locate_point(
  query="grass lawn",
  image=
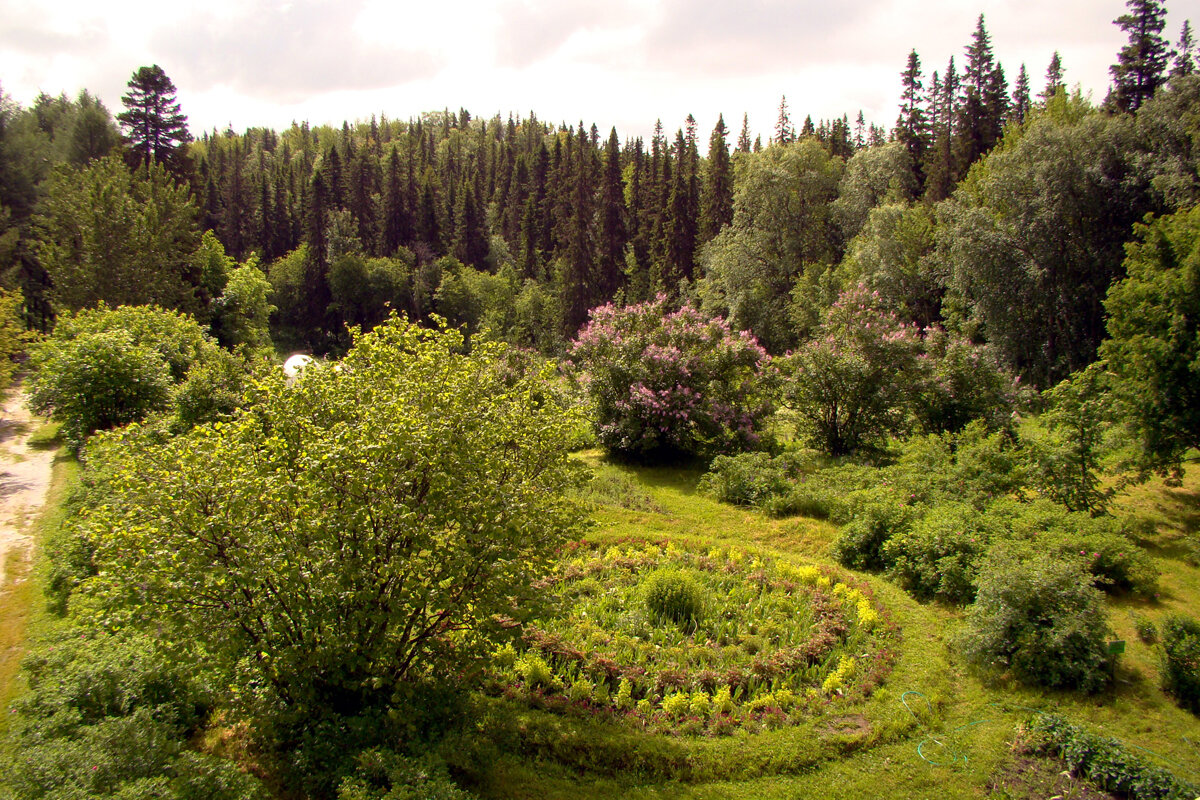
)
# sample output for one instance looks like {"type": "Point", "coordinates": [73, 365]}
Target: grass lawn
{"type": "Point", "coordinates": [954, 742]}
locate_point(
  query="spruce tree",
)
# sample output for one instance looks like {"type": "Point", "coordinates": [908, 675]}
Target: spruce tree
{"type": "Point", "coordinates": [1185, 58]}
{"type": "Point", "coordinates": [1141, 64]}
{"type": "Point", "coordinates": [1021, 102]}
{"type": "Point", "coordinates": [681, 223]}
{"type": "Point", "coordinates": [613, 232]}
{"type": "Point", "coordinates": [155, 128]}
{"type": "Point", "coordinates": [717, 203]}
{"type": "Point", "coordinates": [940, 173]}
{"type": "Point", "coordinates": [912, 126]}
{"type": "Point", "coordinates": [743, 142]}
{"type": "Point", "coordinates": [784, 131]}
{"type": "Point", "coordinates": [1054, 78]}
{"type": "Point", "coordinates": [397, 218]}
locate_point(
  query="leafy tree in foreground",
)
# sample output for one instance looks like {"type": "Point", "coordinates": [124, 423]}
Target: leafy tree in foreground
{"type": "Point", "coordinates": [351, 535]}
{"type": "Point", "coordinates": [672, 383]}
{"type": "Point", "coordinates": [1153, 348]}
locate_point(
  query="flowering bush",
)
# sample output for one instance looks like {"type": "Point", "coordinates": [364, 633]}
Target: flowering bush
{"type": "Point", "coordinates": [672, 383]}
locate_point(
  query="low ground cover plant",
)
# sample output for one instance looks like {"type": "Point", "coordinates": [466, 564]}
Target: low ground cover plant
{"type": "Point", "coordinates": [1105, 761]}
{"type": "Point", "coordinates": [697, 640]}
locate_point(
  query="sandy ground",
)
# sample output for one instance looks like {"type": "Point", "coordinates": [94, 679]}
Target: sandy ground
{"type": "Point", "coordinates": [24, 479]}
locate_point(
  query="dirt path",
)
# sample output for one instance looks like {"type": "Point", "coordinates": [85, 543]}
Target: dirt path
{"type": "Point", "coordinates": [24, 479]}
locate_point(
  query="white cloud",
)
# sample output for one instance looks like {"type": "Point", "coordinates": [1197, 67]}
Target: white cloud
{"type": "Point", "coordinates": [622, 62]}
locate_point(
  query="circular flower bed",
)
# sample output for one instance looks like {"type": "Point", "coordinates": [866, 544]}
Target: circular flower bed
{"type": "Point", "coordinates": [698, 641]}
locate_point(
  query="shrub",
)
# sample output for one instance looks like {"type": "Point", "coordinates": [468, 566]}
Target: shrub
{"type": "Point", "coordinates": [877, 516]}
{"type": "Point", "coordinates": [672, 383]}
{"type": "Point", "coordinates": [963, 382]}
{"type": "Point", "coordinates": [675, 596]}
{"type": "Point", "coordinates": [1180, 661]}
{"type": "Point", "coordinates": [108, 716]}
{"type": "Point", "coordinates": [1040, 619]}
{"type": "Point", "coordinates": [747, 479]}
{"type": "Point", "coordinates": [98, 381]}
{"type": "Point", "coordinates": [415, 463]}
{"type": "Point", "coordinates": [850, 383]}
{"type": "Point", "coordinates": [103, 368]}
{"type": "Point", "coordinates": [1106, 762]}
{"type": "Point", "coordinates": [1099, 543]}
{"type": "Point", "coordinates": [1146, 630]}
{"type": "Point", "coordinates": [939, 554]}
{"type": "Point", "coordinates": [385, 775]}
{"type": "Point", "coordinates": [177, 337]}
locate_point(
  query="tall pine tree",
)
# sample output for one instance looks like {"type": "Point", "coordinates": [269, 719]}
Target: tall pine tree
{"type": "Point", "coordinates": [717, 200]}
{"type": "Point", "coordinates": [1142, 63]}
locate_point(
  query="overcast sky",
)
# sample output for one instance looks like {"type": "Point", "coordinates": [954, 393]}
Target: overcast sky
{"type": "Point", "coordinates": [250, 63]}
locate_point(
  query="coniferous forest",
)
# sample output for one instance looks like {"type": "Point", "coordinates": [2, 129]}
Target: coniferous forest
{"type": "Point", "coordinates": [853, 461]}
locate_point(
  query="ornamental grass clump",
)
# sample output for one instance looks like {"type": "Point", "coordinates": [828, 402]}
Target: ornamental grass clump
{"type": "Point", "coordinates": [675, 596]}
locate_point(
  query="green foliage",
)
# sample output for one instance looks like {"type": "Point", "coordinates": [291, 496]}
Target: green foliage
{"type": "Point", "coordinates": [103, 368]}
{"type": "Point", "coordinates": [1069, 458]}
{"type": "Point", "coordinates": [892, 254]}
{"type": "Point", "coordinates": [365, 290]}
{"type": "Point", "coordinates": [13, 336]}
{"type": "Point", "coordinates": [1106, 762]}
{"type": "Point", "coordinates": [878, 515]}
{"type": "Point", "coordinates": [873, 176]}
{"type": "Point", "coordinates": [179, 340]}
{"type": "Point", "coordinates": [1179, 664]}
{"type": "Point", "coordinates": [370, 524]}
{"type": "Point", "coordinates": [1153, 348]}
{"type": "Point", "coordinates": [213, 389]}
{"type": "Point", "coordinates": [98, 381]}
{"type": "Point", "coordinates": [669, 384]}
{"type": "Point", "coordinates": [1034, 236]}
{"type": "Point", "coordinates": [671, 595]}
{"type": "Point", "coordinates": [851, 383]}
{"type": "Point", "coordinates": [940, 554]}
{"type": "Point", "coordinates": [1145, 628]}
{"type": "Point", "coordinates": [106, 715]}
{"type": "Point", "coordinates": [386, 775]}
{"type": "Point", "coordinates": [1041, 620]}
{"type": "Point", "coordinates": [211, 267]}
{"type": "Point", "coordinates": [782, 227]}
{"type": "Point", "coordinates": [242, 312]}
{"type": "Point", "coordinates": [121, 238]}
{"type": "Point", "coordinates": [748, 479]}
{"type": "Point", "coordinates": [963, 382]}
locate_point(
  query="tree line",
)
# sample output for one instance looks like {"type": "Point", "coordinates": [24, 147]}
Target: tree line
{"type": "Point", "coordinates": [522, 226]}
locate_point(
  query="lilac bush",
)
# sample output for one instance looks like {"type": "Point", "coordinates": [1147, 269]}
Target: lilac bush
{"type": "Point", "coordinates": [672, 383]}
